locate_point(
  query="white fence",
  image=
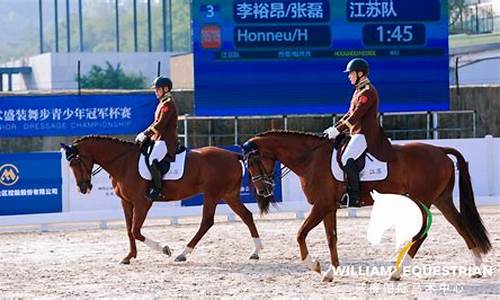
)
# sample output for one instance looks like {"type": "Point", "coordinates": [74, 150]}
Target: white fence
{"type": "Point", "coordinates": [102, 205]}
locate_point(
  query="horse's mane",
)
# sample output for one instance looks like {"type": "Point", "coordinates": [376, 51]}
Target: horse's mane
{"type": "Point", "coordinates": [102, 137]}
{"type": "Point", "coordinates": [289, 132]}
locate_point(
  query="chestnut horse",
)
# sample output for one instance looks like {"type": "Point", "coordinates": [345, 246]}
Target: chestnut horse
{"type": "Point", "coordinates": [215, 172]}
{"type": "Point", "coordinates": [421, 171]}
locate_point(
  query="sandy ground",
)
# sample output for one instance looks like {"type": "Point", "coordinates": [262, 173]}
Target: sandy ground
{"type": "Point", "coordinates": [84, 263]}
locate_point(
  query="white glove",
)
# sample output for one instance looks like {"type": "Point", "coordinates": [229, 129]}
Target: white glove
{"type": "Point", "coordinates": [141, 137]}
{"type": "Point", "coordinates": [332, 132]}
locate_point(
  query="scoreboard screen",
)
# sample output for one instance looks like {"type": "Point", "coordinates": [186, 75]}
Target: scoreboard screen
{"type": "Point", "coordinates": [263, 57]}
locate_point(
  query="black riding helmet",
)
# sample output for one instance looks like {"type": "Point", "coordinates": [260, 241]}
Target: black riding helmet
{"type": "Point", "coordinates": [162, 81]}
{"type": "Point", "coordinates": [358, 65]}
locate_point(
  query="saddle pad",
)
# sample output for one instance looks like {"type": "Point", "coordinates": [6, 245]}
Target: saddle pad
{"type": "Point", "coordinates": [176, 168]}
{"type": "Point", "coordinates": [374, 169]}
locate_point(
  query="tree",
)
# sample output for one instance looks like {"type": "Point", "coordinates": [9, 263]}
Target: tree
{"type": "Point", "coordinates": [111, 78]}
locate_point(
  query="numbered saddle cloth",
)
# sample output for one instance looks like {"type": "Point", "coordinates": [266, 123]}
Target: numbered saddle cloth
{"type": "Point", "coordinates": [373, 170]}
{"type": "Point", "coordinates": [176, 168]}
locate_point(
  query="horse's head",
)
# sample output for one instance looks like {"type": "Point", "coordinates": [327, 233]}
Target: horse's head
{"type": "Point", "coordinates": [81, 166]}
{"type": "Point", "coordinates": [260, 165]}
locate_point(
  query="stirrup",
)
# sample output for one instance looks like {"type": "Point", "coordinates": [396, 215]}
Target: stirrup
{"type": "Point", "coordinates": [344, 201]}
{"type": "Point", "coordinates": [153, 195]}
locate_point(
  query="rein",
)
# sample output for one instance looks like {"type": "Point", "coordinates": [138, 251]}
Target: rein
{"type": "Point", "coordinates": [283, 174]}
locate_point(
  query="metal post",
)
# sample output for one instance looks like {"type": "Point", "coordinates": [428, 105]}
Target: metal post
{"type": "Point", "coordinates": [171, 40]}
{"type": "Point", "coordinates": [9, 81]}
{"type": "Point", "coordinates": [190, 35]}
{"type": "Point", "coordinates": [477, 19]}
{"type": "Point", "coordinates": [164, 19]}
{"type": "Point", "coordinates": [210, 132]}
{"type": "Point", "coordinates": [435, 125]}
{"type": "Point", "coordinates": [135, 26]}
{"type": "Point", "coordinates": [150, 45]}
{"type": "Point", "coordinates": [236, 130]}
{"type": "Point", "coordinates": [68, 28]}
{"type": "Point", "coordinates": [428, 134]}
{"type": "Point", "coordinates": [285, 122]}
{"type": "Point", "coordinates": [40, 24]}
{"type": "Point", "coordinates": [1, 82]}
{"type": "Point", "coordinates": [474, 133]}
{"type": "Point", "coordinates": [186, 131]}
{"type": "Point", "coordinates": [117, 26]}
{"type": "Point", "coordinates": [56, 21]}
{"type": "Point", "coordinates": [80, 24]}
{"type": "Point", "coordinates": [158, 69]}
{"type": "Point", "coordinates": [79, 78]}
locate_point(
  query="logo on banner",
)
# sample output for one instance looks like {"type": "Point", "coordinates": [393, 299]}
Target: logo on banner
{"type": "Point", "coordinates": [9, 174]}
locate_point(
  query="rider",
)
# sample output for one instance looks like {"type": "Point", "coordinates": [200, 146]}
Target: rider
{"type": "Point", "coordinates": [163, 131]}
{"type": "Point", "coordinates": [363, 125]}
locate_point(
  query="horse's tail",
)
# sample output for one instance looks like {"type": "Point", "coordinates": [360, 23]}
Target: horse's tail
{"type": "Point", "coordinates": [468, 210]}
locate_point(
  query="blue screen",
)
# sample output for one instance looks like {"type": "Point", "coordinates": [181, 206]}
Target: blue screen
{"type": "Point", "coordinates": [286, 57]}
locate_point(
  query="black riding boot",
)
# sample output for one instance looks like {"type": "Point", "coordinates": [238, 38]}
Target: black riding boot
{"type": "Point", "coordinates": [353, 195]}
{"type": "Point", "coordinates": [154, 192]}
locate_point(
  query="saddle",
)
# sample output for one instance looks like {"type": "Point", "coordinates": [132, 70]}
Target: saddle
{"type": "Point", "coordinates": [340, 145]}
{"type": "Point", "coordinates": [147, 147]}
{"type": "Point", "coordinates": [370, 168]}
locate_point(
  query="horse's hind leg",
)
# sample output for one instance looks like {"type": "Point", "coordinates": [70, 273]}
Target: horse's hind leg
{"type": "Point", "coordinates": [207, 221]}
{"type": "Point", "coordinates": [316, 215]}
{"type": "Point", "coordinates": [235, 203]}
{"type": "Point", "coordinates": [450, 212]}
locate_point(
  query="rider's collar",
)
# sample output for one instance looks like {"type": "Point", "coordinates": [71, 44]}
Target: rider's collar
{"type": "Point", "coordinates": [362, 83]}
{"type": "Point", "coordinates": [166, 98]}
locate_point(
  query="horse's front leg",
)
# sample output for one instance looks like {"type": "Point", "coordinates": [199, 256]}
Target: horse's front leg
{"type": "Point", "coordinates": [140, 211]}
{"type": "Point", "coordinates": [128, 211]}
{"type": "Point", "coordinates": [207, 221]}
{"type": "Point", "coordinates": [316, 215]}
{"type": "Point", "coordinates": [330, 222]}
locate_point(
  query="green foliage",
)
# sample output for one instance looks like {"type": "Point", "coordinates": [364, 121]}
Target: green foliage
{"type": "Point", "coordinates": [111, 78]}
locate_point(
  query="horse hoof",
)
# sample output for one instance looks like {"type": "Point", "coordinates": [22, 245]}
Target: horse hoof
{"type": "Point", "coordinates": [317, 267]}
{"type": "Point", "coordinates": [395, 277]}
{"type": "Point", "coordinates": [125, 262]}
{"type": "Point", "coordinates": [180, 258]}
{"type": "Point", "coordinates": [254, 256]}
{"type": "Point", "coordinates": [477, 275]}
{"type": "Point", "coordinates": [166, 250]}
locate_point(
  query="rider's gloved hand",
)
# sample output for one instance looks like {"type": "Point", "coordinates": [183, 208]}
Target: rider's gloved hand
{"type": "Point", "coordinates": [141, 137]}
{"type": "Point", "coordinates": [331, 132]}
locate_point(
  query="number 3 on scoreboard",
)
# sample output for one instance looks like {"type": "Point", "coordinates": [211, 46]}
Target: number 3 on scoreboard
{"type": "Point", "coordinates": [210, 11]}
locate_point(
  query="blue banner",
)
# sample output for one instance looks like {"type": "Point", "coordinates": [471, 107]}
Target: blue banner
{"type": "Point", "coordinates": [30, 183]}
{"type": "Point", "coordinates": [61, 115]}
{"type": "Point", "coordinates": [246, 194]}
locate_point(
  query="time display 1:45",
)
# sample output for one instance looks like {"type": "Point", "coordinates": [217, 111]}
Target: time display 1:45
{"type": "Point", "coordinates": [393, 34]}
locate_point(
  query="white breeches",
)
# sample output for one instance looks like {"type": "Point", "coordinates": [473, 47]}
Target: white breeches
{"type": "Point", "coordinates": [357, 145]}
{"type": "Point", "coordinates": [159, 151]}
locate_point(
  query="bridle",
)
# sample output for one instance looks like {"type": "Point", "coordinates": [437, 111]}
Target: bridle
{"type": "Point", "coordinates": [72, 156]}
{"type": "Point", "coordinates": [251, 150]}
{"type": "Point", "coordinates": [266, 179]}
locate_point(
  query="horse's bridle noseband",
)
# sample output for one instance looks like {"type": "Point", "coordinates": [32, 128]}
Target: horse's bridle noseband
{"type": "Point", "coordinates": [250, 150]}
{"type": "Point", "coordinates": [73, 155]}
